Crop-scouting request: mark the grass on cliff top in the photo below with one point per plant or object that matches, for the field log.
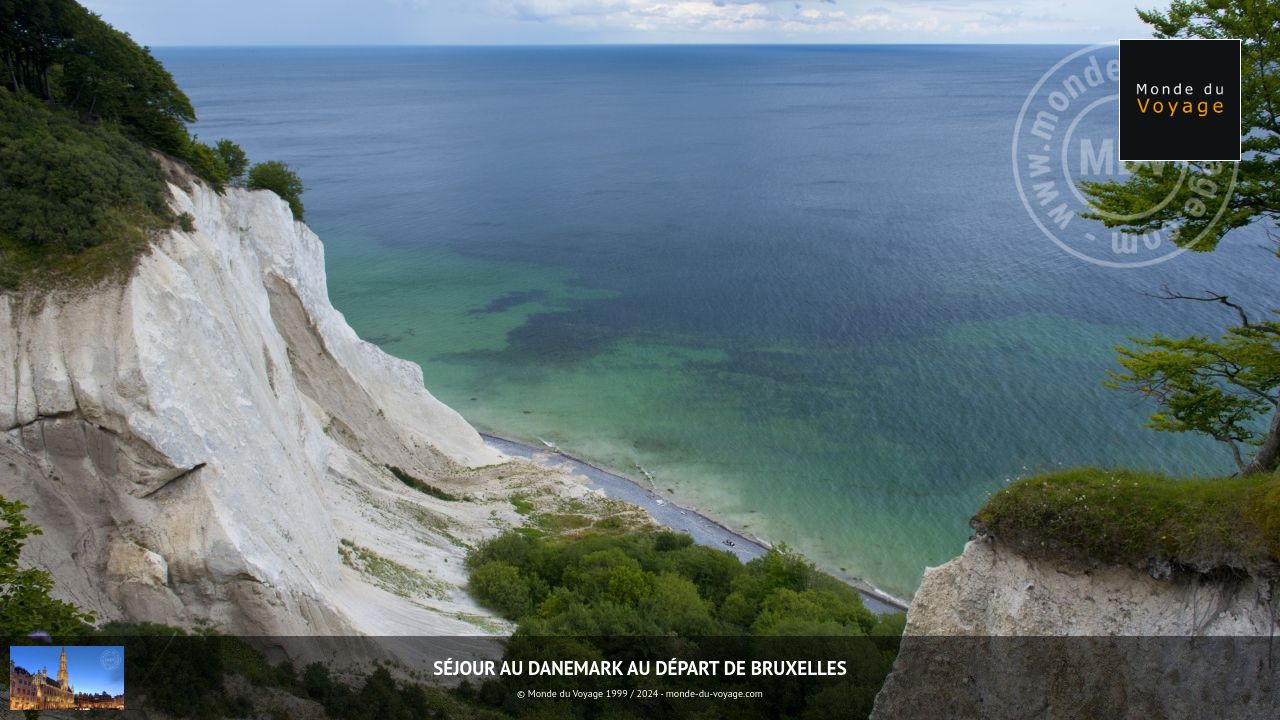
(1091, 516)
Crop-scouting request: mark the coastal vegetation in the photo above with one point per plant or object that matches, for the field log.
(275, 176)
(421, 485)
(641, 588)
(655, 595)
(84, 114)
(234, 159)
(1227, 388)
(26, 603)
(1152, 523)
(191, 674)
(78, 199)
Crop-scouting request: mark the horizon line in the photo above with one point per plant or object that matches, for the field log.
(301, 46)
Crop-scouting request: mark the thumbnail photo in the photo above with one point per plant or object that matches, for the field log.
(83, 677)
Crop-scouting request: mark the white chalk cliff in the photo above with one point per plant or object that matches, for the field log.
(993, 590)
(198, 441)
(995, 634)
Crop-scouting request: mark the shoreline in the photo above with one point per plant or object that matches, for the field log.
(703, 528)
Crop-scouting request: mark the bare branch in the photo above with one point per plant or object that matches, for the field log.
(1209, 296)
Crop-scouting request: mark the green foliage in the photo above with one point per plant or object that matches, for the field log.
(379, 695)
(181, 674)
(1220, 388)
(62, 52)
(522, 505)
(502, 587)
(233, 159)
(276, 176)
(82, 103)
(655, 584)
(32, 32)
(1087, 516)
(68, 186)
(208, 164)
(25, 602)
(890, 624)
(389, 574)
(654, 595)
(1255, 194)
(106, 76)
(421, 485)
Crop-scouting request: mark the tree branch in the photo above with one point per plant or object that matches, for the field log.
(1209, 296)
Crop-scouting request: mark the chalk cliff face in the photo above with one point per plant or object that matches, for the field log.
(198, 442)
(994, 634)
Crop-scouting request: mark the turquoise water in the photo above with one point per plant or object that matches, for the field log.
(795, 284)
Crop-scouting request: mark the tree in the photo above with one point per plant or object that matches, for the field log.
(500, 586)
(208, 164)
(1256, 194)
(68, 185)
(73, 59)
(104, 74)
(25, 603)
(32, 32)
(1222, 388)
(233, 158)
(276, 176)
(674, 604)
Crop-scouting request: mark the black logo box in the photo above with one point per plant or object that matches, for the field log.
(1186, 68)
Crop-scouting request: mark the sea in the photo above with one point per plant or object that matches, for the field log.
(796, 286)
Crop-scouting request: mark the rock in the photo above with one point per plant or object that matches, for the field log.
(173, 435)
(993, 634)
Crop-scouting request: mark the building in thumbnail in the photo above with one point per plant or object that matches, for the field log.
(99, 701)
(39, 691)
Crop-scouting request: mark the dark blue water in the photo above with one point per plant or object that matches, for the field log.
(795, 284)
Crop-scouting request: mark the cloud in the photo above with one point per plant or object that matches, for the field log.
(677, 15)
(336, 22)
(920, 18)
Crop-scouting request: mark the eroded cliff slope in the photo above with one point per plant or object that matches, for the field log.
(208, 441)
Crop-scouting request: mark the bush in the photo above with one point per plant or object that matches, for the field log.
(661, 584)
(233, 159)
(499, 586)
(67, 185)
(276, 176)
(82, 194)
(26, 602)
(421, 485)
(653, 595)
(208, 164)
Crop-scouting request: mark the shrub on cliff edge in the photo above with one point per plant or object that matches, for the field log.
(276, 176)
(1090, 516)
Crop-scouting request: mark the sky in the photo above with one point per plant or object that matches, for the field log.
(165, 23)
(90, 668)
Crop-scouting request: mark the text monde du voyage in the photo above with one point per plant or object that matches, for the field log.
(1180, 99)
